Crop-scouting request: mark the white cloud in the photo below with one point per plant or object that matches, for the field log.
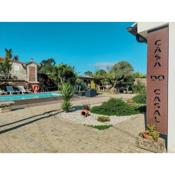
(104, 65)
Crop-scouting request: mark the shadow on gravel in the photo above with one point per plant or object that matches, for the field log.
(47, 115)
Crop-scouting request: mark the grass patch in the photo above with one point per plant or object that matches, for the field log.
(101, 127)
(115, 106)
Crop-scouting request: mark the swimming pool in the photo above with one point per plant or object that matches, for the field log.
(28, 96)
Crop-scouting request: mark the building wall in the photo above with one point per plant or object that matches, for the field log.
(19, 71)
(27, 73)
(140, 80)
(32, 73)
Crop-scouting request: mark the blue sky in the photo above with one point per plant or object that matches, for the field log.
(86, 46)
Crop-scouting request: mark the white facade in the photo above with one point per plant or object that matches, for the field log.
(21, 71)
(18, 71)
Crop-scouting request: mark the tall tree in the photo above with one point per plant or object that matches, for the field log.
(121, 75)
(100, 77)
(65, 74)
(46, 66)
(6, 64)
(101, 73)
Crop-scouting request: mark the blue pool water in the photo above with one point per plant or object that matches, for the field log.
(28, 96)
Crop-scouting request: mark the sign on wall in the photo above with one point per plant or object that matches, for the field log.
(157, 79)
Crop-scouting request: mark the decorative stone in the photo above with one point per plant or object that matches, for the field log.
(151, 145)
(6, 106)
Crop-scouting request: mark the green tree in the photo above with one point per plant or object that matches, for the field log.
(6, 64)
(139, 75)
(100, 77)
(47, 66)
(88, 73)
(65, 74)
(121, 75)
(60, 73)
(100, 73)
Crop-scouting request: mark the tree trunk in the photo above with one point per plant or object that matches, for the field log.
(113, 89)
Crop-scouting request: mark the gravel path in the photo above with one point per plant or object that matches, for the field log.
(53, 134)
(76, 117)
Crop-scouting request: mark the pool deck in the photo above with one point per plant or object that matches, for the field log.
(57, 100)
(40, 129)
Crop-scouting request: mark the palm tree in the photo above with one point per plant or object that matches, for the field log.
(6, 64)
(8, 54)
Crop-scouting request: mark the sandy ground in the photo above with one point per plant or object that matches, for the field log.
(41, 130)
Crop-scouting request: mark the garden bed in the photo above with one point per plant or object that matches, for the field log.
(115, 106)
(76, 117)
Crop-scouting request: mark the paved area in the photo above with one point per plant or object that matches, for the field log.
(41, 130)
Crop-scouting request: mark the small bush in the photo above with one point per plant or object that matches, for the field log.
(101, 127)
(103, 119)
(67, 93)
(152, 131)
(66, 106)
(130, 100)
(115, 107)
(141, 99)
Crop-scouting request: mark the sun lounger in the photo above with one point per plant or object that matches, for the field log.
(23, 90)
(91, 93)
(10, 90)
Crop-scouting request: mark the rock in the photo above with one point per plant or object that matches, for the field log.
(151, 145)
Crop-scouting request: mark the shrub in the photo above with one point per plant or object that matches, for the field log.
(66, 106)
(130, 100)
(103, 119)
(152, 131)
(115, 107)
(141, 98)
(67, 91)
(67, 94)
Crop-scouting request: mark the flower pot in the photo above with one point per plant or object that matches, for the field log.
(85, 112)
(147, 136)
